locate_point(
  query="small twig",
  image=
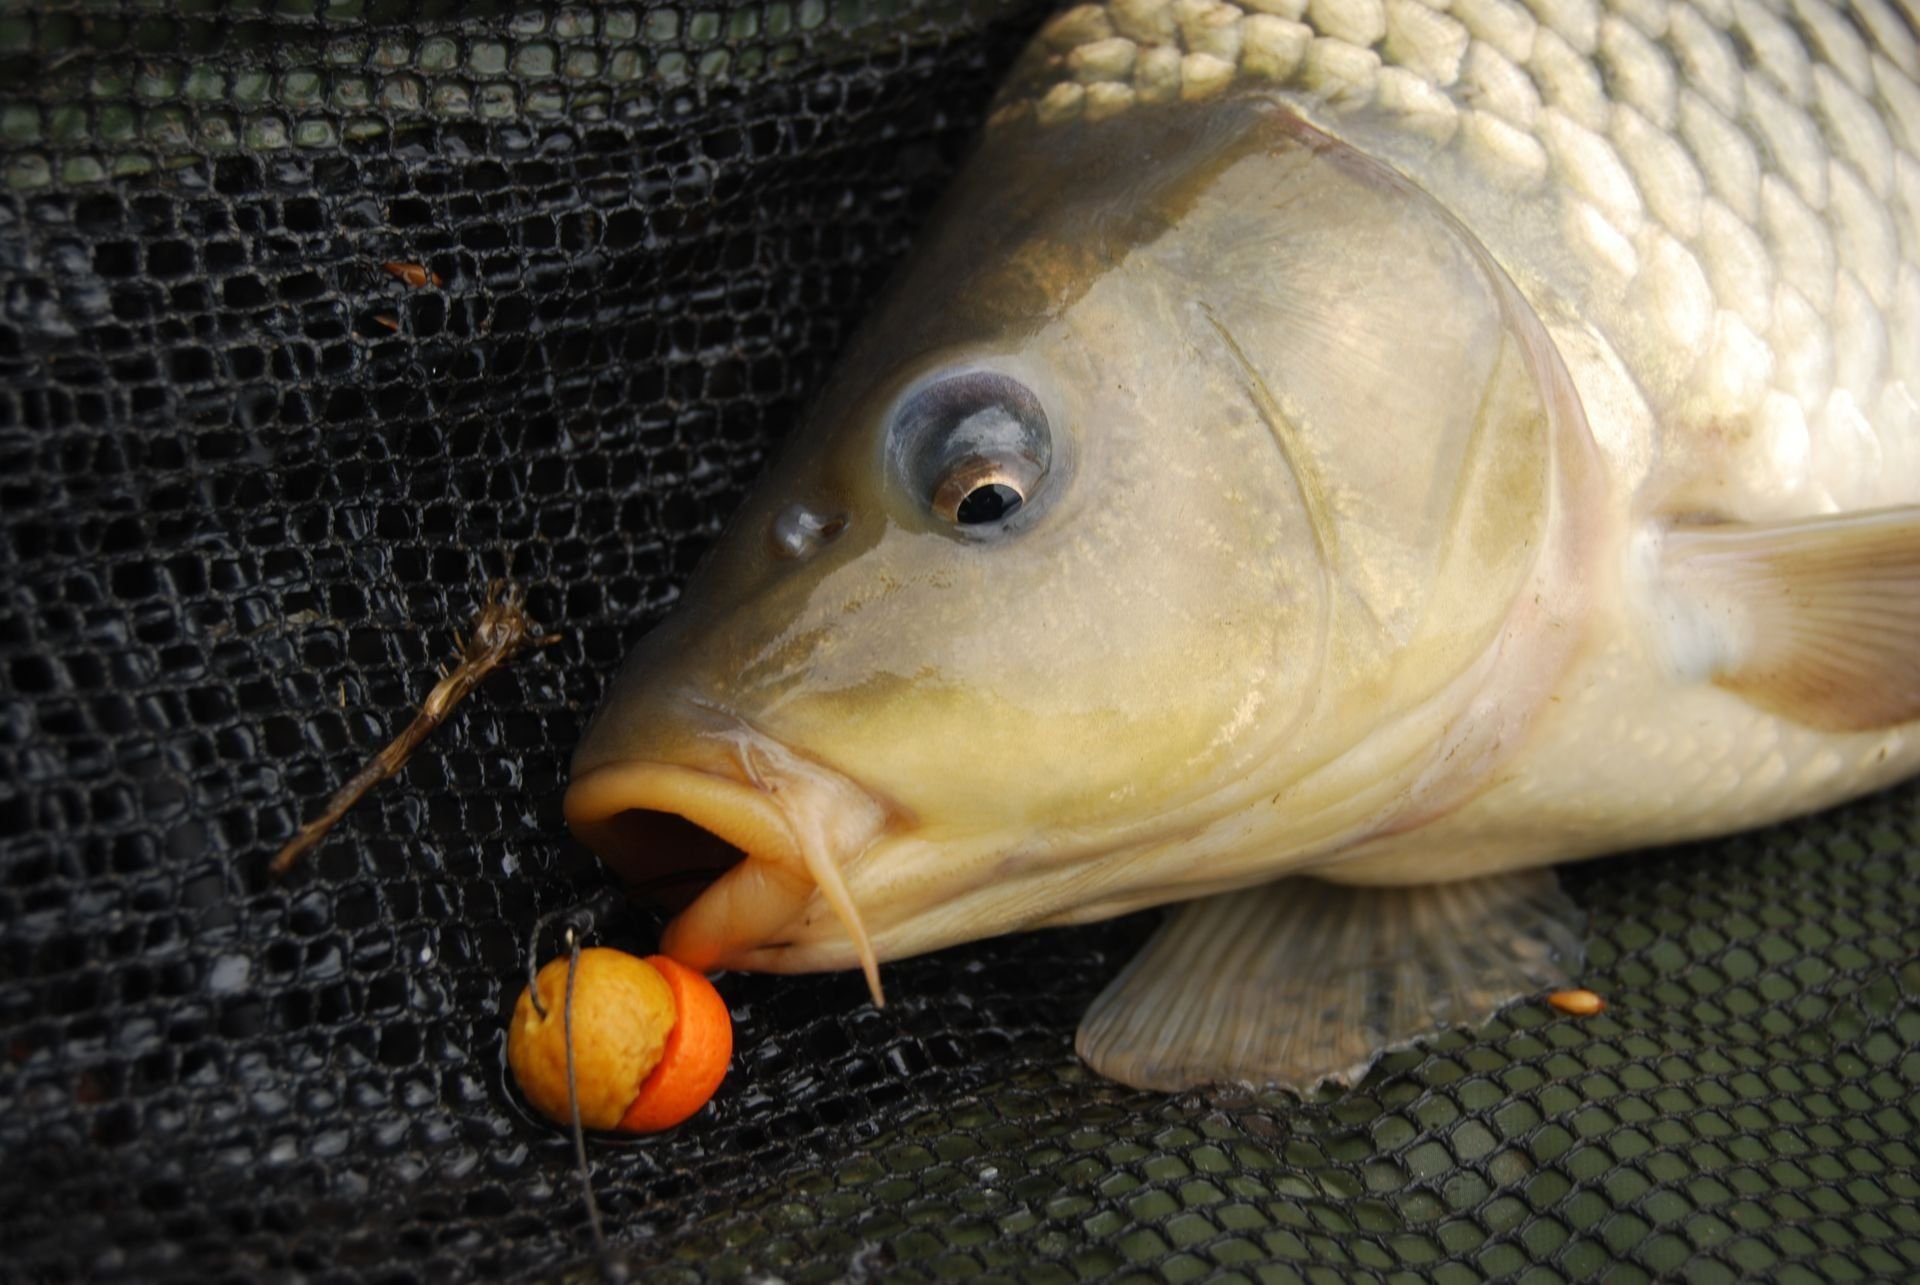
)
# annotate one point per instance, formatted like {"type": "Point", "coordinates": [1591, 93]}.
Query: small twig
{"type": "Point", "coordinates": [501, 631]}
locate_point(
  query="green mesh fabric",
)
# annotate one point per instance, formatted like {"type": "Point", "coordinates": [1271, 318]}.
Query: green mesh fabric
{"type": "Point", "coordinates": [250, 486]}
{"type": "Point", "coordinates": [1744, 1109]}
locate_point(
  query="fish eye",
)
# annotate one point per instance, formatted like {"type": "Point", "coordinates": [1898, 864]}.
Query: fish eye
{"type": "Point", "coordinates": [975, 446]}
{"type": "Point", "coordinates": [978, 490]}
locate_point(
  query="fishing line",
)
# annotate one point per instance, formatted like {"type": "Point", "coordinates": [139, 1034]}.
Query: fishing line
{"type": "Point", "coordinates": [580, 919]}
{"type": "Point", "coordinates": [533, 960]}
{"type": "Point", "coordinates": [584, 916]}
{"type": "Point", "coordinates": [609, 1269]}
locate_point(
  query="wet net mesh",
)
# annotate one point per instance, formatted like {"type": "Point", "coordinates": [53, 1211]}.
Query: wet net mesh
{"type": "Point", "coordinates": [252, 482]}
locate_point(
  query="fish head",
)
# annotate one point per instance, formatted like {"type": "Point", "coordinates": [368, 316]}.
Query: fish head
{"type": "Point", "coordinates": [1190, 464]}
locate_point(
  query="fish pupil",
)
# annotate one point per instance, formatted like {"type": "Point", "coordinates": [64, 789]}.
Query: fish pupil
{"type": "Point", "coordinates": [987, 503]}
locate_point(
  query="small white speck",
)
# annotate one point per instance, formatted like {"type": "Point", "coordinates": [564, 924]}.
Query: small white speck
{"type": "Point", "coordinates": [229, 974]}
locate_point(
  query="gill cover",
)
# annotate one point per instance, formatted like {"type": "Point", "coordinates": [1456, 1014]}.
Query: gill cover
{"type": "Point", "coordinates": [1287, 465]}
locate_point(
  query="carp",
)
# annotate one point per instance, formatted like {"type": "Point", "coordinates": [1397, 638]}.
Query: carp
{"type": "Point", "coordinates": [1326, 462]}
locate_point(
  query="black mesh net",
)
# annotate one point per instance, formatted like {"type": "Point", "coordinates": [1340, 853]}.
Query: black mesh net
{"type": "Point", "coordinates": [252, 482]}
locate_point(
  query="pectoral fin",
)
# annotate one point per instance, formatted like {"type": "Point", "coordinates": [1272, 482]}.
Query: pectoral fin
{"type": "Point", "coordinates": [1817, 621]}
{"type": "Point", "coordinates": [1300, 981]}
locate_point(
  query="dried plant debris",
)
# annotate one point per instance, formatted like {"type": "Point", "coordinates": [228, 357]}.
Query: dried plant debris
{"type": "Point", "coordinates": [501, 631]}
{"type": "Point", "coordinates": [416, 275]}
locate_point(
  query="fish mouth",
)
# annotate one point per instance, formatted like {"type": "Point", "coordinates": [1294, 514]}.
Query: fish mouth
{"type": "Point", "coordinates": [742, 846]}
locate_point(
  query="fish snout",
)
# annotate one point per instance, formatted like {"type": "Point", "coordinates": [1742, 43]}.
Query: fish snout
{"type": "Point", "coordinates": [734, 830]}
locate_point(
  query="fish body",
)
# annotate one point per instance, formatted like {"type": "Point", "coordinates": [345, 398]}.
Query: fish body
{"type": "Point", "coordinates": [1326, 461]}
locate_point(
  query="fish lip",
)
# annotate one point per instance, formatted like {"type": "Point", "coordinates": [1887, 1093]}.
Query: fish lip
{"type": "Point", "coordinates": [750, 792]}
{"type": "Point", "coordinates": [730, 809]}
{"type": "Point", "coordinates": [749, 901]}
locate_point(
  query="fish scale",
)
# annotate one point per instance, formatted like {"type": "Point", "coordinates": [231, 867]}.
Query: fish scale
{"type": "Point", "coordinates": [1737, 186]}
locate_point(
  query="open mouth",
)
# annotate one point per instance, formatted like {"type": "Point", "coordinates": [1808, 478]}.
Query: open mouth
{"type": "Point", "coordinates": [693, 857]}
{"type": "Point", "coordinates": [740, 851]}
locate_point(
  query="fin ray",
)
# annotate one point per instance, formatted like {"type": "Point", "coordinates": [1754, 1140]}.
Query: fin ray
{"type": "Point", "coordinates": [1824, 614]}
{"type": "Point", "coordinates": [1301, 981]}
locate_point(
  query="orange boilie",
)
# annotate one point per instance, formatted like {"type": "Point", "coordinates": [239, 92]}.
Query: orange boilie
{"type": "Point", "coordinates": [651, 1041]}
{"type": "Point", "coordinates": [695, 1059]}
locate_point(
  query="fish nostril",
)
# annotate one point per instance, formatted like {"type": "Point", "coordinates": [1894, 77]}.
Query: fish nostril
{"type": "Point", "coordinates": [798, 531]}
